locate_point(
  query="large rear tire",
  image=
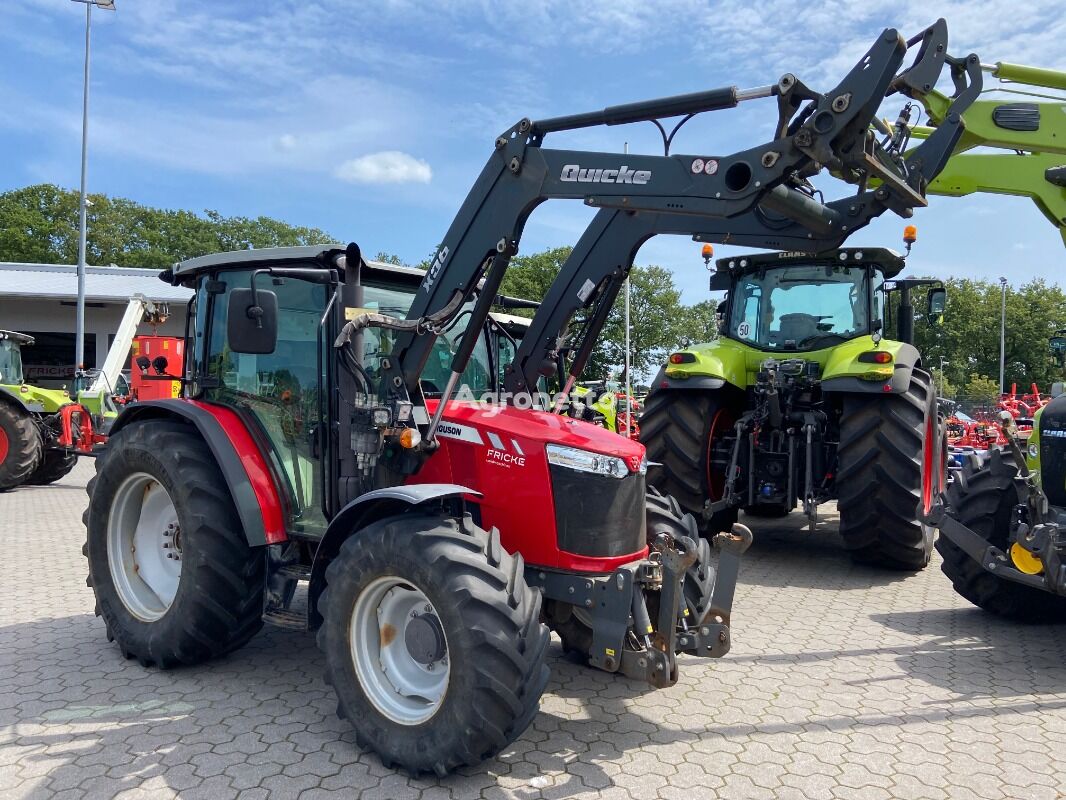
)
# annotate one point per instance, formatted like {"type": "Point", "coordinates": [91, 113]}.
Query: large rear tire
{"type": "Point", "coordinates": [56, 464]}
{"type": "Point", "coordinates": [433, 641]}
{"type": "Point", "coordinates": [20, 446]}
{"type": "Point", "coordinates": [679, 430]}
{"type": "Point", "coordinates": [982, 497]}
{"type": "Point", "coordinates": [174, 578]}
{"type": "Point", "coordinates": [887, 464]}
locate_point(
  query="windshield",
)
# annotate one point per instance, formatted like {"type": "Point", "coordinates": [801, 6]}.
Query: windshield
{"type": "Point", "coordinates": [10, 363]}
{"type": "Point", "coordinates": [801, 307]}
{"type": "Point", "coordinates": [378, 344]}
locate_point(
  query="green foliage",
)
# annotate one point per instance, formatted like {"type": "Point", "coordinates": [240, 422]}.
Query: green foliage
{"type": "Point", "coordinates": [389, 258]}
{"type": "Point", "coordinates": [39, 224]}
{"type": "Point", "coordinates": [944, 387]}
{"type": "Point", "coordinates": [968, 338]}
{"type": "Point", "coordinates": [659, 322]}
{"type": "Point", "coordinates": [981, 391]}
{"type": "Point", "coordinates": [530, 276]}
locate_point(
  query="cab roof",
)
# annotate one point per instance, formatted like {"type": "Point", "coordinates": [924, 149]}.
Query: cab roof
{"type": "Point", "coordinates": [17, 338]}
{"type": "Point", "coordinates": [321, 256]}
{"type": "Point", "coordinates": [887, 260]}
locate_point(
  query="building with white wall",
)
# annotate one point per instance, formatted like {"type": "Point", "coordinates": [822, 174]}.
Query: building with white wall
{"type": "Point", "coordinates": [41, 300]}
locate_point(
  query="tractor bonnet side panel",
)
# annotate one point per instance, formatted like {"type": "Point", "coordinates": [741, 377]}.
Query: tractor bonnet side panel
{"type": "Point", "coordinates": [554, 516]}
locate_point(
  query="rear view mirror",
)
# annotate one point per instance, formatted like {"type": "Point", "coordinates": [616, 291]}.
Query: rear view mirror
{"type": "Point", "coordinates": [252, 321]}
{"type": "Point", "coordinates": [720, 281]}
{"type": "Point", "coordinates": [938, 301]}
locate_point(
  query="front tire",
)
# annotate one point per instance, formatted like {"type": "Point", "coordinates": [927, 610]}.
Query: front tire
{"type": "Point", "coordinates": [888, 463]}
{"type": "Point", "coordinates": [680, 430]}
{"type": "Point", "coordinates": [174, 578]}
{"type": "Point", "coordinates": [419, 595]}
{"type": "Point", "coordinates": [20, 446]}
{"type": "Point", "coordinates": [982, 497]}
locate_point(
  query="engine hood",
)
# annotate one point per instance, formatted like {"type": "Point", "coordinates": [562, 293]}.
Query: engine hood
{"type": "Point", "coordinates": [543, 428]}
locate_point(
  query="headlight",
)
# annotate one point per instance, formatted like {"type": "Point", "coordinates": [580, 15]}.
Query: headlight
{"type": "Point", "coordinates": [584, 461]}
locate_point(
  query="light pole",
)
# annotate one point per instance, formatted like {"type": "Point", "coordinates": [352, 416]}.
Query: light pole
{"type": "Point", "coordinates": [79, 328]}
{"type": "Point", "coordinates": [943, 361]}
{"type": "Point", "coordinates": [1002, 333]}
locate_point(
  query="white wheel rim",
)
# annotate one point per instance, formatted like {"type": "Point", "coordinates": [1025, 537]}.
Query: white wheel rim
{"type": "Point", "coordinates": [144, 547]}
{"type": "Point", "coordinates": [388, 630]}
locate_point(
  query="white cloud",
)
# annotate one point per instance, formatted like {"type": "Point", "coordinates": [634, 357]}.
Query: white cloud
{"type": "Point", "coordinates": [287, 141]}
{"type": "Point", "coordinates": [388, 166]}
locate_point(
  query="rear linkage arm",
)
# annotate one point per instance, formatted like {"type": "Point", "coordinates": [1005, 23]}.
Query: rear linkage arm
{"type": "Point", "coordinates": [831, 129]}
{"type": "Point", "coordinates": [785, 219]}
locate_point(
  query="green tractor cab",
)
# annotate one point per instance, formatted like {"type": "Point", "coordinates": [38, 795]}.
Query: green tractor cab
{"type": "Point", "coordinates": [802, 400]}
{"type": "Point", "coordinates": [41, 430]}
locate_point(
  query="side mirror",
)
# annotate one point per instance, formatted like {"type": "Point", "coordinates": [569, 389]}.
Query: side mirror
{"type": "Point", "coordinates": [252, 321]}
{"type": "Point", "coordinates": [938, 301]}
{"type": "Point", "coordinates": [720, 281]}
{"type": "Point", "coordinates": [1057, 388]}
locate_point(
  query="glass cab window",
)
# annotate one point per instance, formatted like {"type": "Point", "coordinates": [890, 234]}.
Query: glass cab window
{"type": "Point", "coordinates": [280, 391]}
{"type": "Point", "coordinates": [10, 363]}
{"type": "Point", "coordinates": [801, 307]}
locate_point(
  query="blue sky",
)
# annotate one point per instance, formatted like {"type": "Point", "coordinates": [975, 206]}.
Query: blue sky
{"type": "Point", "coordinates": [371, 119]}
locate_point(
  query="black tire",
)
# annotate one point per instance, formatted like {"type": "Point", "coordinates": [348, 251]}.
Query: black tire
{"type": "Point", "coordinates": [218, 605]}
{"type": "Point", "coordinates": [664, 515]}
{"type": "Point", "coordinates": [676, 427]}
{"type": "Point", "coordinates": [884, 449]}
{"type": "Point", "coordinates": [982, 497]}
{"type": "Point", "coordinates": [56, 464]}
{"type": "Point", "coordinates": [490, 618]}
{"type": "Point", "coordinates": [20, 446]}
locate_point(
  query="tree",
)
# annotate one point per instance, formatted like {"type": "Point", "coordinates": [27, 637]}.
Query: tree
{"type": "Point", "coordinates": [659, 322]}
{"type": "Point", "coordinates": [969, 335]}
{"type": "Point", "coordinates": [39, 224]}
{"type": "Point", "coordinates": [389, 258]}
{"type": "Point", "coordinates": [980, 391]}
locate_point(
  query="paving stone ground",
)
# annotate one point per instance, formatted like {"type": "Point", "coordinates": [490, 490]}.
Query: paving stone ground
{"type": "Point", "coordinates": [843, 682]}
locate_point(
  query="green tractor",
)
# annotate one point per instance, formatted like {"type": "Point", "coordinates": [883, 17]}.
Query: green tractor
{"type": "Point", "coordinates": [1002, 522]}
{"type": "Point", "coordinates": [41, 430]}
{"type": "Point", "coordinates": [802, 400]}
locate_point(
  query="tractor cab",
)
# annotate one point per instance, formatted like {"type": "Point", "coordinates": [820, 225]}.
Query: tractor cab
{"type": "Point", "coordinates": [11, 373]}
{"type": "Point", "coordinates": [283, 393]}
{"type": "Point", "coordinates": [796, 302]}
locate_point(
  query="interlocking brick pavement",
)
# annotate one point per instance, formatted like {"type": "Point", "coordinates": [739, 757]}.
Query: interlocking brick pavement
{"type": "Point", "coordinates": [843, 682]}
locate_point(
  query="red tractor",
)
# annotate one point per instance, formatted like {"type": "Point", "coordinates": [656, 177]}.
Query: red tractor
{"type": "Point", "coordinates": [318, 440]}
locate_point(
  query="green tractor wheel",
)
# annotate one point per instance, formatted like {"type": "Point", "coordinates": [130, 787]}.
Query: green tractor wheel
{"type": "Point", "coordinates": [683, 431]}
{"type": "Point", "coordinates": [20, 446]}
{"type": "Point", "coordinates": [888, 463]}
{"type": "Point", "coordinates": [982, 497]}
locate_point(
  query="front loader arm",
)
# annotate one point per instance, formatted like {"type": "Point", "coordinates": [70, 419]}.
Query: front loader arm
{"type": "Point", "coordinates": [813, 130]}
{"type": "Point", "coordinates": [1034, 132]}
{"type": "Point", "coordinates": [604, 255]}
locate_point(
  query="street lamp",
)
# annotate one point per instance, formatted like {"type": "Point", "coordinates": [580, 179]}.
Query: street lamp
{"type": "Point", "coordinates": [79, 329]}
{"type": "Point", "coordinates": [1002, 333]}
